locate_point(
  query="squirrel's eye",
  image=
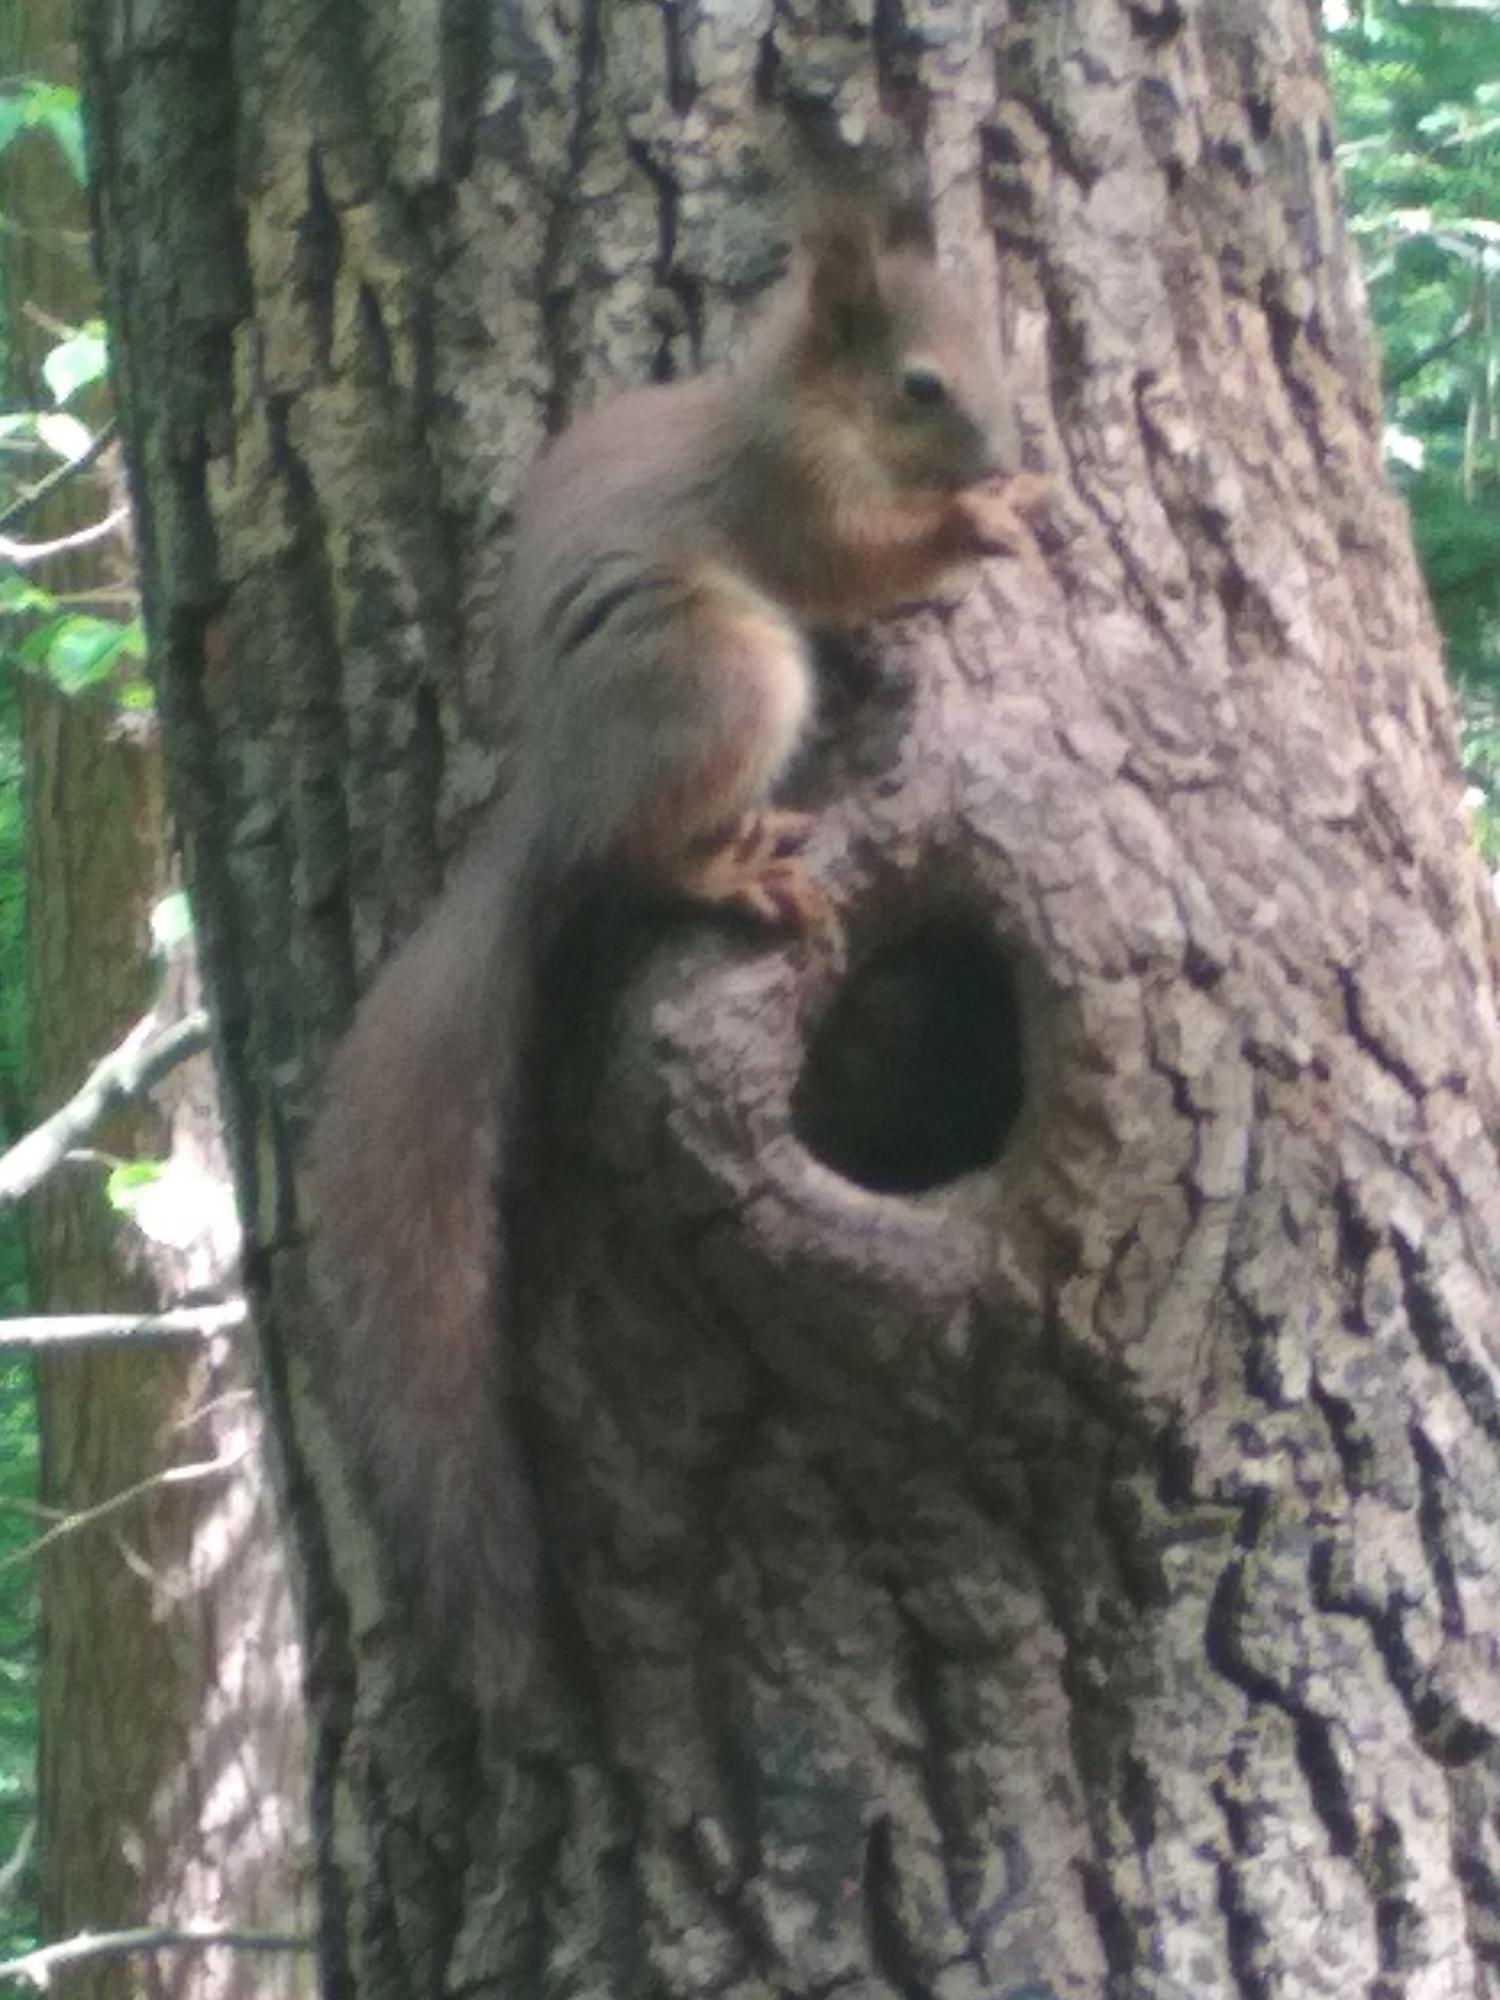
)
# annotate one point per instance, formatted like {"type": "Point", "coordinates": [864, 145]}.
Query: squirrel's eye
{"type": "Point", "coordinates": [924, 385]}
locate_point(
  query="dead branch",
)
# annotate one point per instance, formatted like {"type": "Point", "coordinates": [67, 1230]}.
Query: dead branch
{"type": "Point", "coordinates": [86, 1517]}
{"type": "Point", "coordinates": [47, 1331]}
{"type": "Point", "coordinates": [27, 504]}
{"type": "Point", "coordinates": [145, 1056]}
{"type": "Point", "coordinates": [37, 1967]}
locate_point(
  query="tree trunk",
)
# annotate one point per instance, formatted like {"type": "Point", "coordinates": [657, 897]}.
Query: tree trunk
{"type": "Point", "coordinates": [171, 1774]}
{"type": "Point", "coordinates": [1013, 1425]}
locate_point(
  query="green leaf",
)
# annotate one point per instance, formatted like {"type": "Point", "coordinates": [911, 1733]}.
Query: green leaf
{"type": "Point", "coordinates": [80, 359]}
{"type": "Point", "coordinates": [128, 1182]}
{"type": "Point", "coordinates": [64, 120]}
{"type": "Point", "coordinates": [85, 651]}
{"type": "Point", "coordinates": [17, 595]}
{"type": "Point", "coordinates": [174, 1203]}
{"type": "Point", "coordinates": [171, 921]}
{"type": "Point", "coordinates": [63, 434]}
{"type": "Point", "coordinates": [137, 697]}
{"type": "Point", "coordinates": [31, 104]}
{"type": "Point", "coordinates": [78, 652]}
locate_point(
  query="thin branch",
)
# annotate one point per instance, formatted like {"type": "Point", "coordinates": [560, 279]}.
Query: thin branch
{"type": "Point", "coordinates": [141, 1060]}
{"type": "Point", "coordinates": [33, 1511]}
{"type": "Point", "coordinates": [24, 554]}
{"type": "Point", "coordinates": [125, 594]}
{"type": "Point", "coordinates": [20, 509]}
{"type": "Point", "coordinates": [37, 1967]}
{"type": "Point", "coordinates": [48, 322]}
{"type": "Point", "coordinates": [15, 1868]}
{"type": "Point", "coordinates": [30, 1510]}
{"type": "Point", "coordinates": [181, 1325]}
{"type": "Point", "coordinates": [1397, 378]}
{"type": "Point", "coordinates": [85, 1517]}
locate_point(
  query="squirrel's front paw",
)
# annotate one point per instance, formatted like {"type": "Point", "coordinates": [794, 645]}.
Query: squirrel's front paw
{"type": "Point", "coordinates": [994, 517]}
{"type": "Point", "coordinates": [784, 894]}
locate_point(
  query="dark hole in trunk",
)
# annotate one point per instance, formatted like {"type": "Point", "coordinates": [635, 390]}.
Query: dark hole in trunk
{"type": "Point", "coordinates": [915, 1073]}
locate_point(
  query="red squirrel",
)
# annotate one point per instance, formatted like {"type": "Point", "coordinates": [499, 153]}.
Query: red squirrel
{"type": "Point", "coordinates": [674, 548]}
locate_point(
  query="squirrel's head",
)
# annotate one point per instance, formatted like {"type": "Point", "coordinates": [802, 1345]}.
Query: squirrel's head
{"type": "Point", "coordinates": [896, 358]}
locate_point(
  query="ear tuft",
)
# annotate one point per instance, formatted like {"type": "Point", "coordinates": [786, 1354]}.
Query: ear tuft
{"type": "Point", "coordinates": [879, 181]}
{"type": "Point", "coordinates": [843, 286]}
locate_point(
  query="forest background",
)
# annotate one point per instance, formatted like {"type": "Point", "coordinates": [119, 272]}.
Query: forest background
{"type": "Point", "coordinates": [1417, 94]}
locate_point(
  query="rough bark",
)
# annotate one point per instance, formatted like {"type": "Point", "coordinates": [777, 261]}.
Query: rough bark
{"type": "Point", "coordinates": [171, 1776]}
{"type": "Point", "coordinates": [1015, 1428]}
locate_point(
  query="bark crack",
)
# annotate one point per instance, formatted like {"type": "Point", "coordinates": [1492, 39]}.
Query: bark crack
{"type": "Point", "coordinates": [1441, 1342]}
{"type": "Point", "coordinates": [1316, 1755]}
{"type": "Point", "coordinates": [676, 284]}
{"type": "Point", "coordinates": [1366, 1038]}
{"type": "Point", "coordinates": [1245, 1936]}
{"type": "Point", "coordinates": [554, 296]}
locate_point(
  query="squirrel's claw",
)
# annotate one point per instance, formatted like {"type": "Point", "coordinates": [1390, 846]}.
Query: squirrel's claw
{"type": "Point", "coordinates": [753, 869]}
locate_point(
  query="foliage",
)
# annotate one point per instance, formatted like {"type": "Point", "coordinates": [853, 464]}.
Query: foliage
{"type": "Point", "coordinates": [1417, 90]}
{"type": "Point", "coordinates": [76, 650]}
{"type": "Point", "coordinates": [32, 104]}
{"type": "Point", "coordinates": [18, 1438]}
{"type": "Point", "coordinates": [1480, 744]}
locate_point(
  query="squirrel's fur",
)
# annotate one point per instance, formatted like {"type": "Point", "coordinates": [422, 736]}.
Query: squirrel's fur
{"type": "Point", "coordinates": [673, 548]}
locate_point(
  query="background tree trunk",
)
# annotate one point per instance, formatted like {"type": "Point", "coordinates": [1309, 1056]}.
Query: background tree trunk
{"type": "Point", "coordinates": [1015, 1430]}
{"type": "Point", "coordinates": [172, 1780]}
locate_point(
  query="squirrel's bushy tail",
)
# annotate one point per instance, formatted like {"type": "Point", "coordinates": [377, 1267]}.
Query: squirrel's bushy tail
{"type": "Point", "coordinates": [405, 1166]}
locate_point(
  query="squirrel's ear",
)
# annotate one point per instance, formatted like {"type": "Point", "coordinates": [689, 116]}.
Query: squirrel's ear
{"type": "Point", "coordinates": [843, 286]}
{"type": "Point", "coordinates": [879, 181]}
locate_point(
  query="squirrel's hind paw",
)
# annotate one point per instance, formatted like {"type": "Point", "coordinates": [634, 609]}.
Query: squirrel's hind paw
{"type": "Point", "coordinates": [752, 868]}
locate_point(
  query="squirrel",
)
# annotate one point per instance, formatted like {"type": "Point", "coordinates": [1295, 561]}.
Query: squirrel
{"type": "Point", "coordinates": [674, 549]}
